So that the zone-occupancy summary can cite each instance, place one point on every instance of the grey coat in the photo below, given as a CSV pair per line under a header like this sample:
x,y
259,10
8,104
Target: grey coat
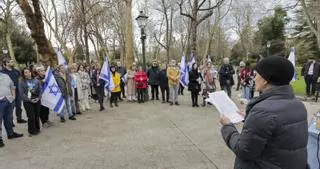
x,y
274,135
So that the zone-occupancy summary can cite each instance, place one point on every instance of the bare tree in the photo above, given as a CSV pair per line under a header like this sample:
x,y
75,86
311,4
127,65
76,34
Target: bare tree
x,y
312,13
33,16
198,13
6,19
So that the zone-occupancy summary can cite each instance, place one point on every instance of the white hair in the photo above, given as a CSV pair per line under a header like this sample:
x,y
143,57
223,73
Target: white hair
x,y
40,68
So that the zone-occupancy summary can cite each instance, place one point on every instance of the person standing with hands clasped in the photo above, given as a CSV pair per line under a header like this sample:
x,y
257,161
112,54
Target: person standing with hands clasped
x,y
275,130
194,84
173,73
30,91
116,91
141,80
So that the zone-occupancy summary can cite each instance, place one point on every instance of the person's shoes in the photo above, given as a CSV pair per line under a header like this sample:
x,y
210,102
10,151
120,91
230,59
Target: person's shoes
x,y
111,105
116,105
152,99
62,120
72,118
15,135
21,121
193,105
102,108
1,144
121,99
124,97
177,104
196,105
168,101
171,103
79,113
157,98
45,125
50,123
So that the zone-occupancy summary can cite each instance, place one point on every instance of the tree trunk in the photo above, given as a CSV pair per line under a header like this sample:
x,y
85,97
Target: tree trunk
x,y
10,46
129,34
36,26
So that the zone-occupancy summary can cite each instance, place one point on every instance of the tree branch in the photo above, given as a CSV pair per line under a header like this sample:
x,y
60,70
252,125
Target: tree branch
x,y
181,11
309,20
205,17
218,4
203,1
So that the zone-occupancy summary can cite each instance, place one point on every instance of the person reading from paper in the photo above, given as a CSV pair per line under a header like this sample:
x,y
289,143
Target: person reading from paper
x,y
275,131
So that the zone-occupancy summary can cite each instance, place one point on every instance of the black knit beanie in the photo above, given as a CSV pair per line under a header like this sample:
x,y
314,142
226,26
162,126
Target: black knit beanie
x,y
277,71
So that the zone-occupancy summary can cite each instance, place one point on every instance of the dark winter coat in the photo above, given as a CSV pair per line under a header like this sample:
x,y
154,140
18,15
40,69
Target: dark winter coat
x,y
226,75
95,81
164,79
274,135
194,85
64,85
316,70
154,76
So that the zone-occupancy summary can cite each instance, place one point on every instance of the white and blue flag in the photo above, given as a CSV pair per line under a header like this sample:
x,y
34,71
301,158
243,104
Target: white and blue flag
x,y
51,94
292,59
105,75
192,60
61,59
184,78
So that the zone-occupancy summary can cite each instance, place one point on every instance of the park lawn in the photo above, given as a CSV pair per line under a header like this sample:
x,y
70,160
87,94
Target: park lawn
x,y
299,85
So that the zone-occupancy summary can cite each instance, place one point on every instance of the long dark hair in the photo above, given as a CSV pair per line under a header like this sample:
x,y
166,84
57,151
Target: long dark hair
x,y
192,68
22,73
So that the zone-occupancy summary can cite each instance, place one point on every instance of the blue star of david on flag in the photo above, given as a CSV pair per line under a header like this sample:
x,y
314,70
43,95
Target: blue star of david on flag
x,y
54,89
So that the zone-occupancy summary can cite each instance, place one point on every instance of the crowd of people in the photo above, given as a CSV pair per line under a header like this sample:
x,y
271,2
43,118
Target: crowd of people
x,y
79,83
270,119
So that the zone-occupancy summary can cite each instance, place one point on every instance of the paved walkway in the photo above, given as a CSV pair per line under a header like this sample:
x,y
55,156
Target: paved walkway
x,y
133,136
147,136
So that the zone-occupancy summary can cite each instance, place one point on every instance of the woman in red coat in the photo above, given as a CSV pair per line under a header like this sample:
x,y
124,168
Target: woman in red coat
x,y
141,79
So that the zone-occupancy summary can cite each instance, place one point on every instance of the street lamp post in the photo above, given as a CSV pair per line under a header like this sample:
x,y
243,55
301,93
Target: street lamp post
x,y
268,48
142,21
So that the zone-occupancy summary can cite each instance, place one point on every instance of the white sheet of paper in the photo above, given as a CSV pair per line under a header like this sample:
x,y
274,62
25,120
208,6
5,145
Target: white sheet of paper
x,y
225,106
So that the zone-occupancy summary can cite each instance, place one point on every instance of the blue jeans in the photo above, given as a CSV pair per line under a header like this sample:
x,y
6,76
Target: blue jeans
x,y
6,115
246,93
68,108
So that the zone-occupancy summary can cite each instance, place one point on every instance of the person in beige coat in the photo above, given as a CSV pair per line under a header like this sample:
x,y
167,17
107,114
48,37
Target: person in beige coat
x,y
131,84
85,81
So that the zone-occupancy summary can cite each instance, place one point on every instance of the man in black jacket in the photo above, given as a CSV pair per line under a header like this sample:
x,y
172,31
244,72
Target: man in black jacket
x,y
164,85
14,74
311,72
154,80
122,71
226,76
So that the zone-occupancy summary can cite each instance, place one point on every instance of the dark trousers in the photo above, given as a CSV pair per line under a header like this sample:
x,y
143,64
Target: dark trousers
x,y
33,113
194,97
155,91
100,94
17,102
123,92
227,89
165,93
6,114
181,88
311,84
44,114
141,95
76,100
114,97
238,83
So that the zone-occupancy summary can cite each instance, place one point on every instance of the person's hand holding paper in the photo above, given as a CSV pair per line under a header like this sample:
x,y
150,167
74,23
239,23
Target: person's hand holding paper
x,y
225,106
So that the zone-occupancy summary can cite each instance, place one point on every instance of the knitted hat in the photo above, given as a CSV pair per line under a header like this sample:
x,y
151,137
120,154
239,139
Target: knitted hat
x,y
276,71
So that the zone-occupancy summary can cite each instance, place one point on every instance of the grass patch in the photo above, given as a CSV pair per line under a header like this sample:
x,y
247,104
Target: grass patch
x,y
299,85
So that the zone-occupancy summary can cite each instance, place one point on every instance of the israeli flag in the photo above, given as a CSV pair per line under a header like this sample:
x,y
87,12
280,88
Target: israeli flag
x,y
51,94
192,61
292,59
184,78
105,75
61,60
